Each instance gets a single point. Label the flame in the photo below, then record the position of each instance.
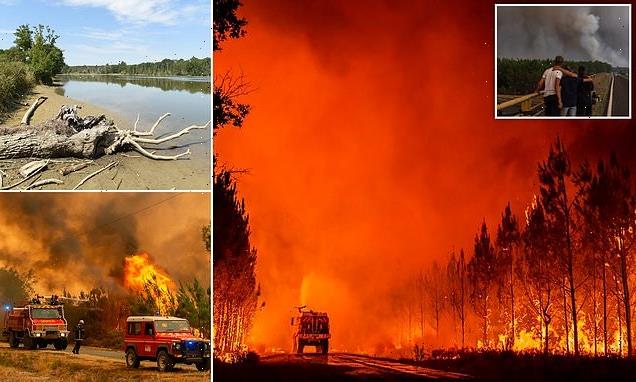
(142, 275)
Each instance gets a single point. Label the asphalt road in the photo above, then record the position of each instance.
(360, 365)
(620, 100)
(100, 353)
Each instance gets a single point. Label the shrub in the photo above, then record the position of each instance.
(16, 80)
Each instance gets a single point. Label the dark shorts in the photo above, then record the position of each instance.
(551, 106)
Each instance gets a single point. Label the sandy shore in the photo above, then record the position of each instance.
(132, 171)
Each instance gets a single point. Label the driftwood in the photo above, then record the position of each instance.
(33, 167)
(29, 113)
(111, 164)
(69, 135)
(72, 168)
(44, 182)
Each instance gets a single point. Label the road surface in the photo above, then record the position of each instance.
(365, 366)
(96, 353)
(620, 99)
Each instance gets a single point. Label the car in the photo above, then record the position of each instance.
(165, 340)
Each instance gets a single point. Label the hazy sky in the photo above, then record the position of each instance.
(578, 33)
(107, 31)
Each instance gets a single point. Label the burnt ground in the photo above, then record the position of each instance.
(475, 367)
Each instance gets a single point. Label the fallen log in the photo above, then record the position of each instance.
(69, 135)
(29, 113)
(111, 164)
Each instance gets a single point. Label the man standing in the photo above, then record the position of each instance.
(550, 83)
(79, 336)
(569, 90)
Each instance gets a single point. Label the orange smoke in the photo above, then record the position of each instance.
(141, 275)
(372, 150)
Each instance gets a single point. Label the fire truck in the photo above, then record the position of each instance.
(311, 329)
(37, 324)
(165, 340)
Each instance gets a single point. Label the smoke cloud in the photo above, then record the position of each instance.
(577, 33)
(78, 241)
(373, 151)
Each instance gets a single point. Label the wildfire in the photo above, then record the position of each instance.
(142, 276)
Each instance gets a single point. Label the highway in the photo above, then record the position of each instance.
(620, 98)
(362, 366)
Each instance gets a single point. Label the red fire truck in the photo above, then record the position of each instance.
(311, 329)
(37, 324)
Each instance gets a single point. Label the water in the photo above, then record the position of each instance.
(187, 99)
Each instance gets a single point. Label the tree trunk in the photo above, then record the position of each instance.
(626, 299)
(567, 325)
(604, 307)
(512, 301)
(54, 139)
(571, 278)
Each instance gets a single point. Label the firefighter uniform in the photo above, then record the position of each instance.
(79, 336)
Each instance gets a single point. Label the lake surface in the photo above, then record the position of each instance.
(187, 99)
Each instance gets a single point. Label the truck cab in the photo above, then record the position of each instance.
(165, 340)
(37, 325)
(311, 329)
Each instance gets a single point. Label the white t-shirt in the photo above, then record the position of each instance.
(550, 76)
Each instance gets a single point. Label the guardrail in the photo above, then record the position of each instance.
(519, 100)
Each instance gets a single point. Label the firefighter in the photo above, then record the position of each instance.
(79, 336)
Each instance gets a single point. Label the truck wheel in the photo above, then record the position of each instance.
(300, 347)
(29, 343)
(325, 346)
(164, 361)
(203, 365)
(60, 344)
(42, 344)
(131, 358)
(14, 342)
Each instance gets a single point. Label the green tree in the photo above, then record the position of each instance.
(193, 303)
(14, 287)
(23, 38)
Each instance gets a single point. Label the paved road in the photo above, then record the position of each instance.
(100, 353)
(364, 365)
(620, 101)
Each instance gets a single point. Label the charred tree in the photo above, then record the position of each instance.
(554, 175)
(507, 242)
(456, 274)
(481, 274)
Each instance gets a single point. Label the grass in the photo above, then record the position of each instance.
(28, 366)
(16, 81)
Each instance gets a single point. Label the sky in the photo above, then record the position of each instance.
(96, 32)
(372, 151)
(575, 32)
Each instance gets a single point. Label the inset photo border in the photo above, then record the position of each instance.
(563, 61)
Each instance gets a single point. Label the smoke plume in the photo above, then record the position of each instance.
(78, 241)
(577, 33)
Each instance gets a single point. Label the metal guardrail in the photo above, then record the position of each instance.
(525, 100)
(516, 101)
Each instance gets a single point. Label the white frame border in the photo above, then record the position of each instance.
(628, 5)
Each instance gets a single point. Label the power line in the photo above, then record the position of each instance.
(139, 210)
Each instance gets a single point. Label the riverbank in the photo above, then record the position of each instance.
(132, 172)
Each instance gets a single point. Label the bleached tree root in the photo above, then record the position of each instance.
(68, 135)
(27, 116)
(44, 182)
(111, 164)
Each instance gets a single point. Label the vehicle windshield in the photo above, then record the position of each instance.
(45, 313)
(172, 326)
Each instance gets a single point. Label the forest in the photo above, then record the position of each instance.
(555, 279)
(520, 76)
(167, 67)
(34, 58)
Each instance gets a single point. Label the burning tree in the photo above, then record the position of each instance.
(536, 268)
(554, 174)
(234, 259)
(608, 208)
(507, 242)
(456, 279)
(481, 274)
